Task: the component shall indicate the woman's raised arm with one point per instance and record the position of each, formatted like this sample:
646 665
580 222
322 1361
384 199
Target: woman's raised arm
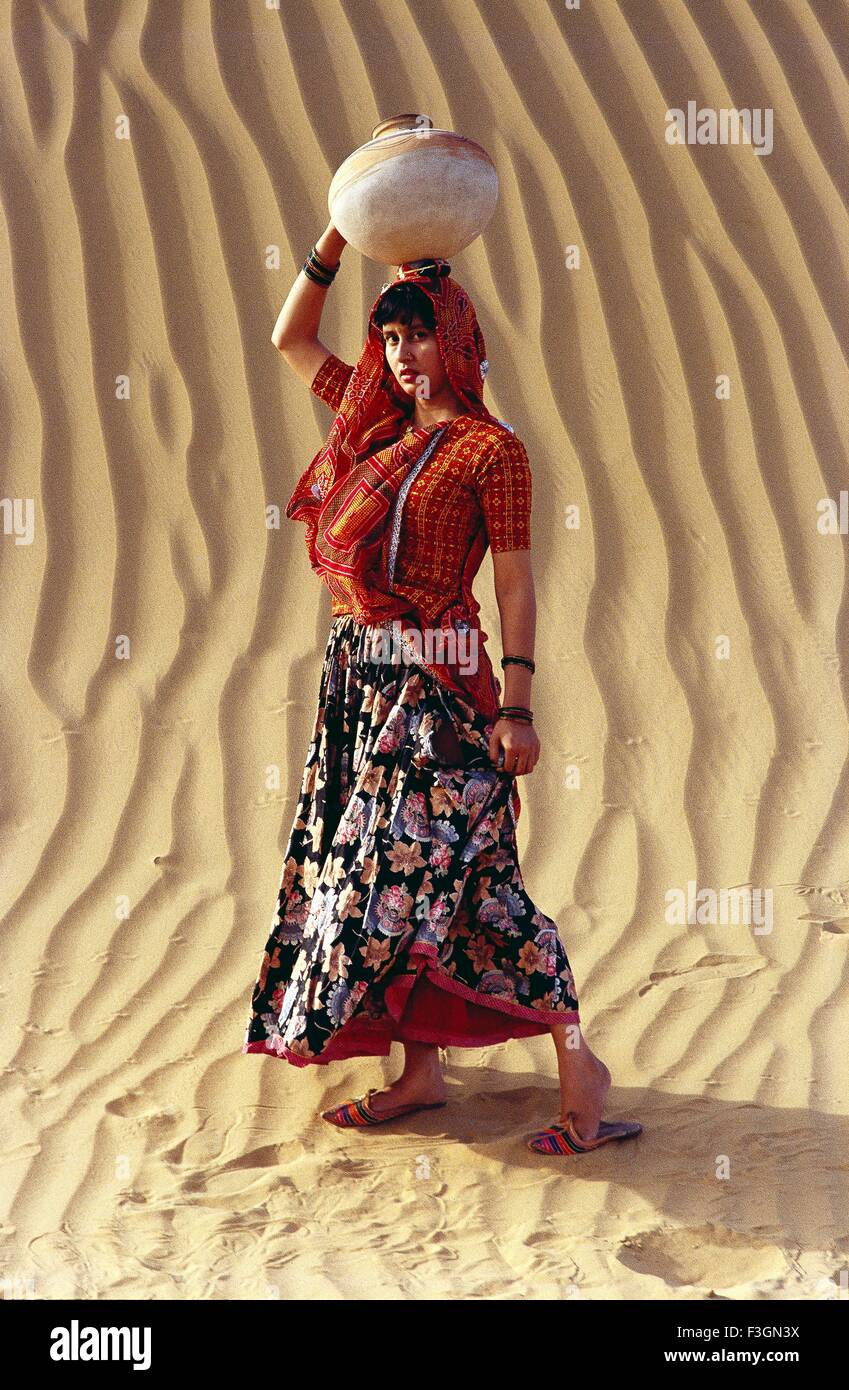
296 330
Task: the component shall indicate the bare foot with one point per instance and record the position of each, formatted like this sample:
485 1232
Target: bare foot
409 1091
585 1100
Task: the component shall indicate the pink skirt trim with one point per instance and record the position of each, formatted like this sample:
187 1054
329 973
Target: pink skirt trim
431 1007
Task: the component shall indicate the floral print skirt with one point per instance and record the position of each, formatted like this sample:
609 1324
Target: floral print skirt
401 913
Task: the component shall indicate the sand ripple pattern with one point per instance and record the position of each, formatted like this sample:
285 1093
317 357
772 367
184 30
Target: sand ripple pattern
164 171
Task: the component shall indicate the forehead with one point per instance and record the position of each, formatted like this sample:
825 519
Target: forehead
391 326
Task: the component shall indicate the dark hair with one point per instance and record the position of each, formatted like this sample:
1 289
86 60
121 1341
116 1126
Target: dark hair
401 303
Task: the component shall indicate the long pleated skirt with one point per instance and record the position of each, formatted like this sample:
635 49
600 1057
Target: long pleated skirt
401 912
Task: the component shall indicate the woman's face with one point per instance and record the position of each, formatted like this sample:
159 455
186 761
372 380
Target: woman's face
413 356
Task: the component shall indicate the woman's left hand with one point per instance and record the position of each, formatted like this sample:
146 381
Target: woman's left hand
519 743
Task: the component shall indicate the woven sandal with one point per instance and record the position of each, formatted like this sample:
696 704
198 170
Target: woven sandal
359 1112
564 1139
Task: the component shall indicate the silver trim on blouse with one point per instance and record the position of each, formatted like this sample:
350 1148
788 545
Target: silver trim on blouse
402 497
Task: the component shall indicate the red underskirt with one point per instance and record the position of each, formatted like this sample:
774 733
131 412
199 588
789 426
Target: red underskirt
420 1010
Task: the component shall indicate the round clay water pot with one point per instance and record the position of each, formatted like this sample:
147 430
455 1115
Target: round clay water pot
413 191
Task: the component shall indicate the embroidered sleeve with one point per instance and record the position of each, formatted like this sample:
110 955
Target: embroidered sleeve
503 486
331 379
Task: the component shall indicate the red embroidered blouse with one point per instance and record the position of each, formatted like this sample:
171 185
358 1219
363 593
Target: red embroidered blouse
474 491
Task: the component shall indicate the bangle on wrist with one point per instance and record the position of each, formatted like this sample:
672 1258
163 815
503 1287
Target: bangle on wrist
527 661
331 269
318 271
520 713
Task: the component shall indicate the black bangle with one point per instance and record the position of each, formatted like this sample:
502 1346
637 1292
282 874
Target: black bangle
324 280
518 712
519 661
315 270
322 265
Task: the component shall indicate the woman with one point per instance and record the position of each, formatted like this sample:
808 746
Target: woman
402 914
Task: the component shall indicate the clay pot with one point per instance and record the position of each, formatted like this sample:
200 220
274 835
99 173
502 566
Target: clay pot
413 191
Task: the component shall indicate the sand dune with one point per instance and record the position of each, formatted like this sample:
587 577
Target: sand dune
163 646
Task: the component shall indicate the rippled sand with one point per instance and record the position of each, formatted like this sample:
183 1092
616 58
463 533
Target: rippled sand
162 646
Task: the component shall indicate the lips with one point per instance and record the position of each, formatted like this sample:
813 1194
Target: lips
408 373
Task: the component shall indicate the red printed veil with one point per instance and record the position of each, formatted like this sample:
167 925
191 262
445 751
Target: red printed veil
352 491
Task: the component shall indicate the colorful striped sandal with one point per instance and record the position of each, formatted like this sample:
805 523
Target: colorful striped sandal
359 1112
564 1139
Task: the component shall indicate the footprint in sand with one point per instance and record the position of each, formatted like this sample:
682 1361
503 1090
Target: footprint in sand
707 1256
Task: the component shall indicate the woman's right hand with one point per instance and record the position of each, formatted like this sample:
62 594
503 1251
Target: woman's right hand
295 333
